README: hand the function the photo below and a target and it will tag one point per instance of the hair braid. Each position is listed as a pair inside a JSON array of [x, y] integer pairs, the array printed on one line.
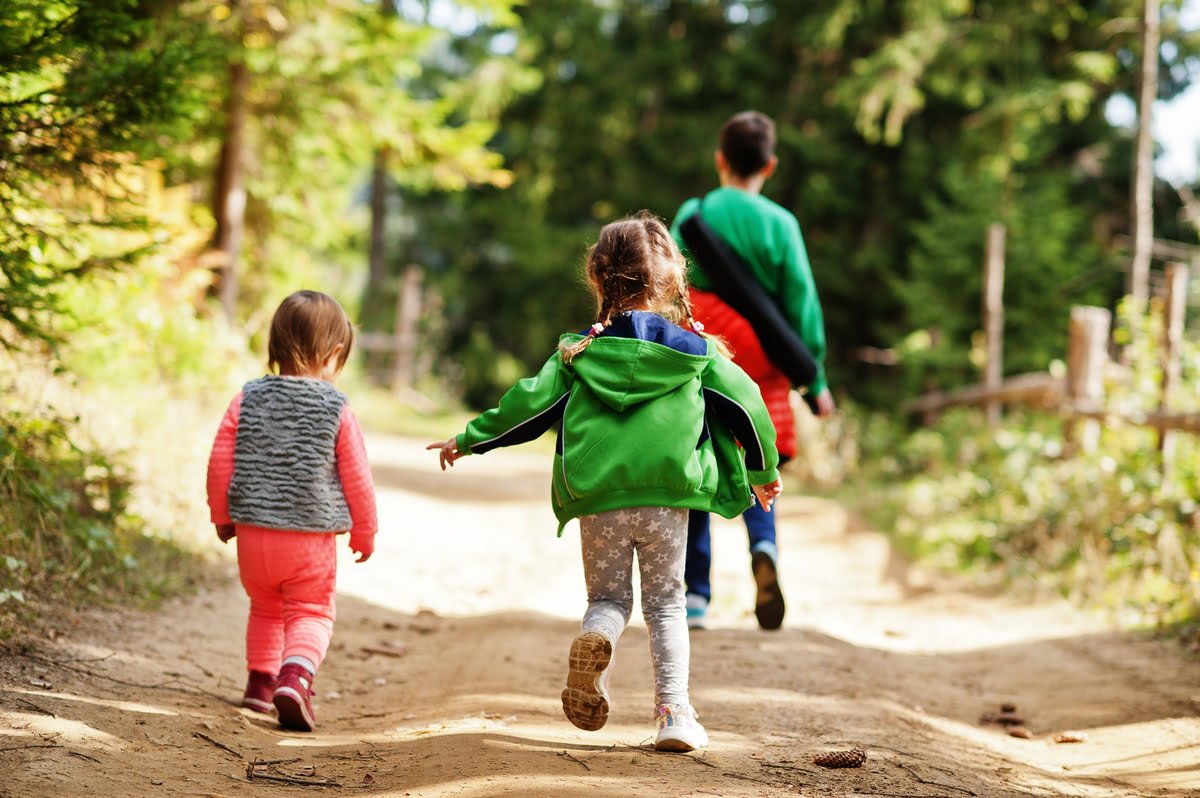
[[633, 265]]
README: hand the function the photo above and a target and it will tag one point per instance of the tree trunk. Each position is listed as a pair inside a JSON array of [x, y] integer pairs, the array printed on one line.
[[1174, 310], [1141, 203], [376, 256], [993, 314], [408, 313], [374, 310], [229, 200]]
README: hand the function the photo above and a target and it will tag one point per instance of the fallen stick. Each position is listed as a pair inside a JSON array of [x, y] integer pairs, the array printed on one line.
[[218, 744], [917, 776], [387, 651], [290, 780], [586, 766], [30, 705]]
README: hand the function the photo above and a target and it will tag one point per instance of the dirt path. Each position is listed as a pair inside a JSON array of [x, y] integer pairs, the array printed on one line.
[[470, 581]]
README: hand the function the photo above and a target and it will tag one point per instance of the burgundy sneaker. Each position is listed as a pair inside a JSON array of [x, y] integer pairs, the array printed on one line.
[[291, 698], [260, 687]]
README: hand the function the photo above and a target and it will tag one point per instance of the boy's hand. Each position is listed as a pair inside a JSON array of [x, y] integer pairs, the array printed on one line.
[[766, 494], [825, 406], [363, 546], [449, 452], [226, 532]]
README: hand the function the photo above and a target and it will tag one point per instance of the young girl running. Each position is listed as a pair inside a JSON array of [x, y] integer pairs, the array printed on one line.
[[287, 472], [648, 414]]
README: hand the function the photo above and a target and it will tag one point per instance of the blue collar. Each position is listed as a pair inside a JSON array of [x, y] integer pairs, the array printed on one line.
[[644, 325]]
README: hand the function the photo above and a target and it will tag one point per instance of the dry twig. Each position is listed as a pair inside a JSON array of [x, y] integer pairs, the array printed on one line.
[[573, 758], [386, 651], [781, 766], [218, 744], [30, 705], [918, 777], [291, 780], [171, 684], [748, 778]]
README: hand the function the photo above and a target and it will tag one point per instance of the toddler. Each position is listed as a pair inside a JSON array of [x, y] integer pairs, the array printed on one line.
[[288, 472]]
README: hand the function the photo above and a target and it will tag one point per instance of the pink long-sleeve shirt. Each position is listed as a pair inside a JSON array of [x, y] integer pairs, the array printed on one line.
[[354, 472]]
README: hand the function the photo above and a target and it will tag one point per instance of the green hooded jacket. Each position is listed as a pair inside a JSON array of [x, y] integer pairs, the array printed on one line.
[[649, 415]]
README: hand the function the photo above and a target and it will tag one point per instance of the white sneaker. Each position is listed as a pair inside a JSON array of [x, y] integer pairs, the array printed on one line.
[[697, 607], [585, 698], [679, 729]]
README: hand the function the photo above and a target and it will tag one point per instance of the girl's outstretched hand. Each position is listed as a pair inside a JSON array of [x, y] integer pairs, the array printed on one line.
[[448, 452], [766, 493]]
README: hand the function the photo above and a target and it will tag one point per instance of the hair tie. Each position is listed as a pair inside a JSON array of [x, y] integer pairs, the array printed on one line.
[[697, 327], [596, 329]]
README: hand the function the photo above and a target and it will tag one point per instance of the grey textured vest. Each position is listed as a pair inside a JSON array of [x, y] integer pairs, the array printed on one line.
[[284, 461]]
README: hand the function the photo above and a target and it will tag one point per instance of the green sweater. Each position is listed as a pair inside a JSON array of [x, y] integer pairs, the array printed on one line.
[[650, 415], [768, 238]]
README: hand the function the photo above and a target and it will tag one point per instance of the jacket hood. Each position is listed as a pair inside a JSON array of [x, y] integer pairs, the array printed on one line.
[[641, 357]]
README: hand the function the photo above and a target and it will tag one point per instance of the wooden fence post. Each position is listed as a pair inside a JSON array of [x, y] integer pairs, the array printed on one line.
[[408, 309], [1086, 355], [993, 315], [1174, 308]]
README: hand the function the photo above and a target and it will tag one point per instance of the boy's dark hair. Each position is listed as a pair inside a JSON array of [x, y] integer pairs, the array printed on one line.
[[748, 142], [305, 330]]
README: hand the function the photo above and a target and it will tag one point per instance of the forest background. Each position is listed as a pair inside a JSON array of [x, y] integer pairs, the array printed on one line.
[[170, 169]]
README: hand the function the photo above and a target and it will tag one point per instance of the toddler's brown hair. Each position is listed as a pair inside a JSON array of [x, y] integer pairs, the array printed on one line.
[[306, 329]]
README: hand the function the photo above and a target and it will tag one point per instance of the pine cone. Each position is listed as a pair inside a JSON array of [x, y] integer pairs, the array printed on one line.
[[852, 758]]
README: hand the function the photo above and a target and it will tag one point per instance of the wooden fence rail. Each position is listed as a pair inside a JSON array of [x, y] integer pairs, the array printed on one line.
[[1079, 396]]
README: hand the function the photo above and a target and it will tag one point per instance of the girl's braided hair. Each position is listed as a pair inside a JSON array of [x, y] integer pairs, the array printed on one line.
[[634, 265]]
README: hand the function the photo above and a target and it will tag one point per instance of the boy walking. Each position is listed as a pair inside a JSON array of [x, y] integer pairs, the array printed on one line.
[[768, 239]]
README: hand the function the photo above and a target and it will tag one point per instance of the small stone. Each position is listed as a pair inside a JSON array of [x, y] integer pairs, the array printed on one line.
[[1070, 737]]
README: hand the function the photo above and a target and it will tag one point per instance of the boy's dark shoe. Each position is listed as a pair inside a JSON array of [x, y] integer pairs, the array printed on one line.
[[260, 690], [768, 603], [292, 698]]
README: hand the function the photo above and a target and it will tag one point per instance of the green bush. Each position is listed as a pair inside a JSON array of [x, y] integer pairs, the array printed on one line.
[[65, 533], [1015, 507]]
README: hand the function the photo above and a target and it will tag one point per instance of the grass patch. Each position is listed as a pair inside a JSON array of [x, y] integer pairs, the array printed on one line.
[[67, 536], [1013, 509]]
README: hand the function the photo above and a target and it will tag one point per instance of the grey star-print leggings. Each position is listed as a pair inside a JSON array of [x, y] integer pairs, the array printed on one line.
[[659, 536]]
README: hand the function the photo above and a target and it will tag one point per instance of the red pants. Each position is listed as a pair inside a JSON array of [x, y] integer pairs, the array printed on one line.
[[290, 578]]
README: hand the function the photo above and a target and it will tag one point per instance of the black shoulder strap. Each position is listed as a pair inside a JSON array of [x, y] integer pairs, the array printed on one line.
[[732, 281]]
